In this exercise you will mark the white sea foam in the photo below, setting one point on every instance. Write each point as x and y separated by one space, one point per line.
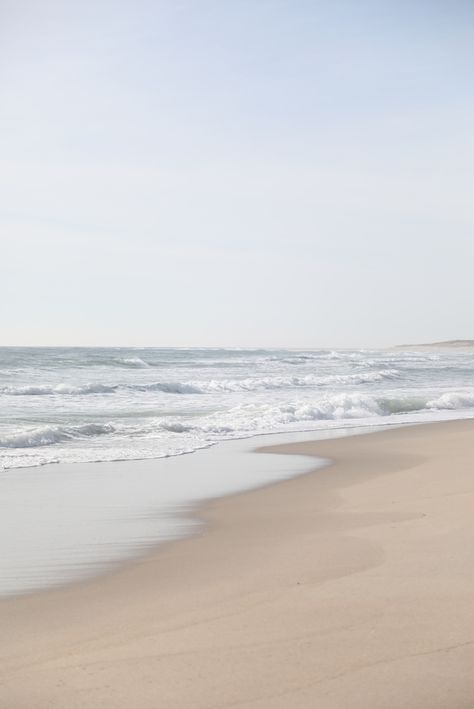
203 396
203 386
362 378
49 435
133 362
213 386
249 418
58 389
452 400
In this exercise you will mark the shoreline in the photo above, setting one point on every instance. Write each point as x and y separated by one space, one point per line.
366 423
306 590
121 529
89 519
83 521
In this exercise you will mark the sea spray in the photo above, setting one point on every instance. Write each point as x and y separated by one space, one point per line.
82 404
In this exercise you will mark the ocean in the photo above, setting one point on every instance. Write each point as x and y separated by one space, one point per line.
71 405
66 414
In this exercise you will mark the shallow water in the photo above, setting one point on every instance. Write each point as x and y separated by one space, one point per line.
74 405
65 522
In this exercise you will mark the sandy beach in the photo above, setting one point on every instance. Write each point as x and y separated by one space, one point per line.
351 587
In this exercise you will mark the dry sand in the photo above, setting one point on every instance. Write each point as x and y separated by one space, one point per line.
351 588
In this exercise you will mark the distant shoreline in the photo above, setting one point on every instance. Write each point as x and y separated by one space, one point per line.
446 344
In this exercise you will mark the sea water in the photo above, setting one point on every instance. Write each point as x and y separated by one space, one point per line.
95 404
69 509
63 523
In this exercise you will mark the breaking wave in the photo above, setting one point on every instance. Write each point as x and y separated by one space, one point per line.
452 400
212 386
49 435
246 419
66 389
216 386
162 402
253 417
135 362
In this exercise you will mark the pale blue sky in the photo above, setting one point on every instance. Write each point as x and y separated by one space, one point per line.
236 173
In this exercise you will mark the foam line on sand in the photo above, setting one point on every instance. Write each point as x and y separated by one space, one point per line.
347 588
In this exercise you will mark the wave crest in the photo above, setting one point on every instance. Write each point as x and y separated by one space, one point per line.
204 386
67 389
254 417
452 400
135 362
216 386
49 435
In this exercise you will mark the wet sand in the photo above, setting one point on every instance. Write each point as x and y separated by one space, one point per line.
348 588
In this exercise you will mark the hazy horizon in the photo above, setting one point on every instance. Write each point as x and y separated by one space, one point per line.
441 343
241 174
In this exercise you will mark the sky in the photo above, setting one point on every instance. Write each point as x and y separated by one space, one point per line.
236 172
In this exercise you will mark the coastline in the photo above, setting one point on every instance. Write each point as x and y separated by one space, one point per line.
348 584
64 523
